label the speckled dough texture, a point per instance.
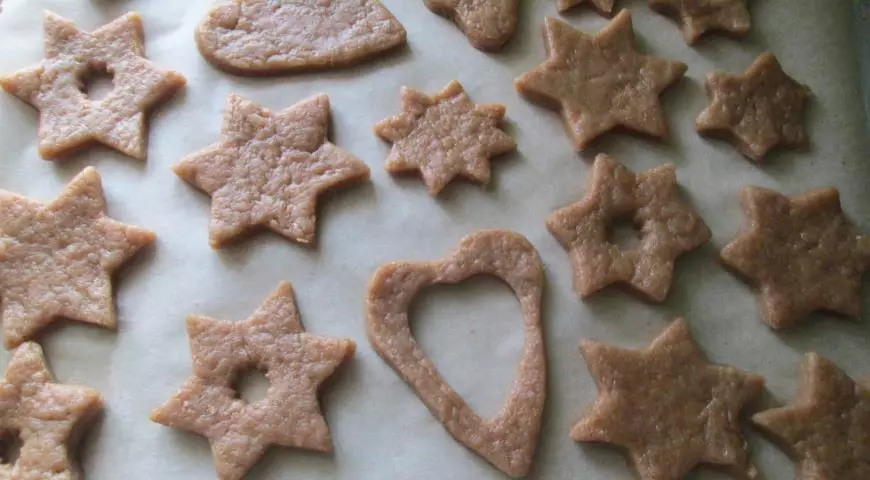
(444, 136)
(509, 439)
(665, 223)
(668, 407)
(488, 24)
(56, 260)
(273, 341)
(697, 17)
(826, 429)
(68, 119)
(801, 252)
(268, 170)
(264, 37)
(600, 82)
(604, 7)
(47, 417)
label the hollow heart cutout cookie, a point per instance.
(509, 440)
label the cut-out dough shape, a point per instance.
(508, 440)
(603, 7)
(488, 24)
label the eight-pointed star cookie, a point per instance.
(47, 417)
(488, 24)
(758, 110)
(600, 83)
(604, 7)
(295, 363)
(700, 16)
(667, 225)
(801, 252)
(56, 260)
(827, 427)
(444, 136)
(68, 119)
(269, 168)
(667, 406)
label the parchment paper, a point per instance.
(380, 428)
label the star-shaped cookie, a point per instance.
(801, 252)
(827, 427)
(295, 363)
(56, 260)
(666, 224)
(47, 417)
(268, 170)
(700, 16)
(600, 83)
(488, 24)
(68, 119)
(667, 406)
(758, 110)
(604, 7)
(444, 136)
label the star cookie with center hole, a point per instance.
(68, 119)
(296, 363)
(667, 225)
(444, 136)
(700, 16)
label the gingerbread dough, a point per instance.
(700, 16)
(488, 24)
(604, 7)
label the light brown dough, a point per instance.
(488, 24)
(699, 16)
(509, 440)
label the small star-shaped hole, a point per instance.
(97, 83)
(252, 385)
(624, 234)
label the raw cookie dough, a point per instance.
(668, 406)
(268, 170)
(488, 24)
(509, 440)
(273, 341)
(604, 7)
(56, 260)
(265, 37)
(444, 136)
(699, 16)
(68, 119)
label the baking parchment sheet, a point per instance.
(473, 331)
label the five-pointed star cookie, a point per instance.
(758, 110)
(600, 83)
(295, 363)
(47, 417)
(668, 406)
(56, 260)
(68, 119)
(444, 136)
(269, 168)
(604, 7)
(827, 427)
(700, 16)
(666, 224)
(801, 252)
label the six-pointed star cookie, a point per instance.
(758, 110)
(668, 406)
(56, 260)
(444, 136)
(802, 253)
(604, 7)
(827, 428)
(488, 24)
(269, 168)
(47, 417)
(600, 83)
(666, 224)
(68, 119)
(295, 363)
(700, 16)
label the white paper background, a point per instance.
(473, 333)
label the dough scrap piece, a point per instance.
(488, 24)
(700, 16)
(827, 427)
(268, 170)
(509, 440)
(47, 417)
(603, 7)
(666, 224)
(760, 109)
(273, 341)
(444, 136)
(801, 252)
(264, 37)
(668, 406)
(600, 83)
(56, 260)
(68, 119)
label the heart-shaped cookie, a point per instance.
(508, 440)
